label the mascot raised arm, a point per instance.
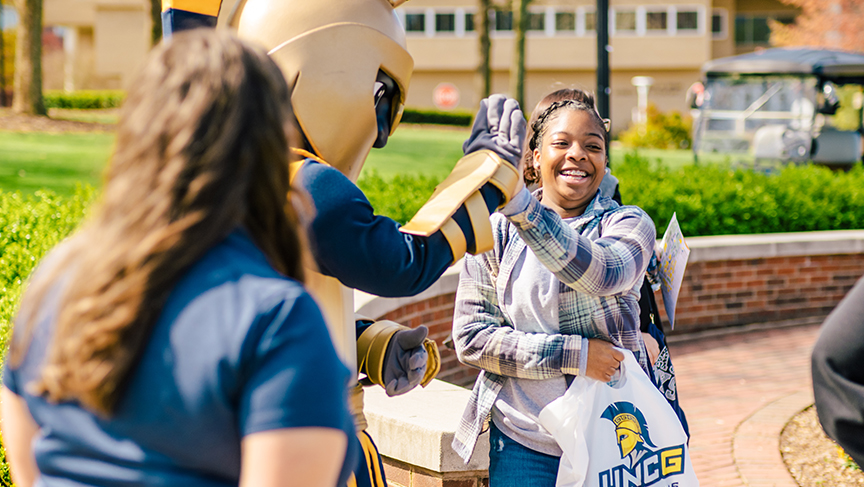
(349, 69)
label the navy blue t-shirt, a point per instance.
(238, 349)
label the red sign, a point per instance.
(446, 96)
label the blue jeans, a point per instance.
(513, 465)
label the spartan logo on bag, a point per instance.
(645, 463)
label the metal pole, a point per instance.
(602, 28)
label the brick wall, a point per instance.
(714, 294)
(437, 314)
(717, 294)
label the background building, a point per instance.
(103, 41)
(668, 40)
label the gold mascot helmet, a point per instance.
(331, 51)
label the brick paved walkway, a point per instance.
(738, 390)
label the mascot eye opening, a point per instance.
(386, 93)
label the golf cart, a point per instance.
(779, 106)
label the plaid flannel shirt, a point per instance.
(600, 258)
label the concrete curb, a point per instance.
(756, 442)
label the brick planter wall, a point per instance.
(730, 281)
(739, 292)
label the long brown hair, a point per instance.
(530, 175)
(202, 148)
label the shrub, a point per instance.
(398, 198)
(717, 200)
(457, 118)
(662, 131)
(5, 476)
(85, 99)
(31, 225)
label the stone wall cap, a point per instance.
(768, 245)
(418, 427)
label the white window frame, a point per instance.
(549, 27)
(493, 31)
(581, 26)
(430, 22)
(669, 11)
(545, 31)
(464, 23)
(724, 24)
(556, 11)
(444, 11)
(402, 14)
(701, 20)
(613, 21)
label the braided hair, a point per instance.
(544, 113)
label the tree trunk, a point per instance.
(2, 61)
(481, 22)
(156, 17)
(517, 66)
(28, 59)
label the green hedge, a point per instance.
(709, 199)
(457, 118)
(85, 99)
(31, 225)
(662, 131)
(717, 200)
(399, 197)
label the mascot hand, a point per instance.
(499, 127)
(405, 361)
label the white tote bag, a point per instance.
(621, 435)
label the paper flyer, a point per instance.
(673, 259)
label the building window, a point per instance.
(751, 30)
(719, 23)
(415, 22)
(656, 22)
(590, 21)
(536, 21)
(687, 20)
(754, 29)
(445, 23)
(565, 21)
(469, 22)
(625, 21)
(503, 20)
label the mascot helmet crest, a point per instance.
(331, 51)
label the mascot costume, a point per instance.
(349, 69)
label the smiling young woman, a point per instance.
(571, 156)
(527, 311)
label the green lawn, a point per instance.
(428, 151)
(31, 161)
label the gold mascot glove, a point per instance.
(462, 186)
(433, 363)
(372, 348)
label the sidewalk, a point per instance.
(738, 391)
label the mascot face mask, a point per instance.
(334, 52)
(628, 434)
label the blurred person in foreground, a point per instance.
(838, 374)
(170, 340)
(350, 72)
(659, 361)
